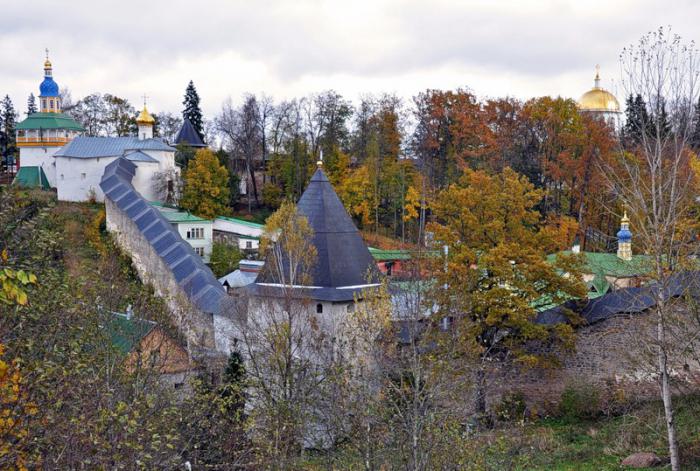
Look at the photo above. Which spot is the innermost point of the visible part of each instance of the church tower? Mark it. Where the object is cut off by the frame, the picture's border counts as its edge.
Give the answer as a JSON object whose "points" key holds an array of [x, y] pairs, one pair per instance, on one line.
{"points": [[49, 98], [42, 134], [624, 239], [145, 123]]}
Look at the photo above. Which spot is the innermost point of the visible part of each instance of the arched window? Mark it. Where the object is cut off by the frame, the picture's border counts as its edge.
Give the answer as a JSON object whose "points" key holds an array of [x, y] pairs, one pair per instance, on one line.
{"points": [[319, 308]]}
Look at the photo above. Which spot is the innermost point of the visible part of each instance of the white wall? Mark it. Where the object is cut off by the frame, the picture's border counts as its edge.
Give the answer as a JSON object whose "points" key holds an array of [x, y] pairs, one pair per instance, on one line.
{"points": [[224, 225], [143, 179], [40, 157], [206, 242], [75, 178]]}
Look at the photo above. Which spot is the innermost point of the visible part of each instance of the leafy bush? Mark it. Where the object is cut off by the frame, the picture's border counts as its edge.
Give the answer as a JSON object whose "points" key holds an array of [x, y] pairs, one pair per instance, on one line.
{"points": [[224, 258], [579, 401], [512, 407], [271, 195]]}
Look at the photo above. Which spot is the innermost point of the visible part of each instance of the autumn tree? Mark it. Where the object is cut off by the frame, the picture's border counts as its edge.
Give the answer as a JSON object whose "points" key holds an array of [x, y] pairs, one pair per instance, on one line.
{"points": [[206, 188], [120, 116], [496, 273], [282, 341]]}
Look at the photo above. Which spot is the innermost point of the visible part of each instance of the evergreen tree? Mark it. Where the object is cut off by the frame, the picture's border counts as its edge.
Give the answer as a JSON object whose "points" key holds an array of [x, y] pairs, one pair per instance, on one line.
{"points": [[695, 135], [31, 104], [192, 110], [8, 119], [661, 120], [637, 120]]}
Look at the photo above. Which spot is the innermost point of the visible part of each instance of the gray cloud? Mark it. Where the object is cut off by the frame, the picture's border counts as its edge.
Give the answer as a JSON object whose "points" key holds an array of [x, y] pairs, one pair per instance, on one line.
{"points": [[495, 47]]}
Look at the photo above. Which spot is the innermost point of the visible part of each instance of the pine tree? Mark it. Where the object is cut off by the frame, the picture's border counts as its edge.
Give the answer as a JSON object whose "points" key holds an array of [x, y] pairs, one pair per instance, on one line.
{"points": [[192, 111], [695, 135], [637, 120], [8, 118], [31, 104]]}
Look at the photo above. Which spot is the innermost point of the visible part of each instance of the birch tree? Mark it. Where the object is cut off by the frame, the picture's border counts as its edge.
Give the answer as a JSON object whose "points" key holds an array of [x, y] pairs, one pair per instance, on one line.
{"points": [[654, 181]]}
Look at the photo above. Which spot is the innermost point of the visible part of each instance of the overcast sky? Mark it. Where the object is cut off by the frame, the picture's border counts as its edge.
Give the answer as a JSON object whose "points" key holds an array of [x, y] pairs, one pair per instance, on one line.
{"points": [[521, 48]]}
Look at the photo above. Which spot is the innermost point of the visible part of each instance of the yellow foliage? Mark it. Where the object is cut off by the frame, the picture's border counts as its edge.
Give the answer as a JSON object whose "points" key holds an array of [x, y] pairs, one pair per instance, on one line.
{"points": [[206, 192]]}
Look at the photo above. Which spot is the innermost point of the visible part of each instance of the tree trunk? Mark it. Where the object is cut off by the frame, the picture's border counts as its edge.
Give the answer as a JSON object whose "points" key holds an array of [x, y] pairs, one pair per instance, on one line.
{"points": [[480, 399], [666, 389]]}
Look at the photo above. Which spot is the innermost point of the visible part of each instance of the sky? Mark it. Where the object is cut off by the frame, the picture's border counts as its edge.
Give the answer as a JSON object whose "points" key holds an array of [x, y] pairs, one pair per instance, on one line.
{"points": [[292, 48]]}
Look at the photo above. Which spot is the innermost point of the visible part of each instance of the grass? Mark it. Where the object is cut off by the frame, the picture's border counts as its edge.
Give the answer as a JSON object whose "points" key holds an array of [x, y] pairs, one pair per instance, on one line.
{"points": [[557, 444]]}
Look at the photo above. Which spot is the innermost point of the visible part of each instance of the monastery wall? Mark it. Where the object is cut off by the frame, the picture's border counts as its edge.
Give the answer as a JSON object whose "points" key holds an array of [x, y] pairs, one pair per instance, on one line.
{"points": [[197, 326], [197, 301], [614, 357]]}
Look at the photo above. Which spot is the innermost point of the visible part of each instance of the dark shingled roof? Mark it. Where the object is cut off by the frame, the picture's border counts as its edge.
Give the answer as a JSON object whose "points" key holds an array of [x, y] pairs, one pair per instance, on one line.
{"points": [[188, 269], [622, 301], [188, 135], [343, 259]]}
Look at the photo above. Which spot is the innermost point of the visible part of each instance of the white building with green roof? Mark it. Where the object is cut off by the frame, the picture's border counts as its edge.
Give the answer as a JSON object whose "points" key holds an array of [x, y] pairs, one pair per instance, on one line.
{"points": [[196, 231], [42, 134]]}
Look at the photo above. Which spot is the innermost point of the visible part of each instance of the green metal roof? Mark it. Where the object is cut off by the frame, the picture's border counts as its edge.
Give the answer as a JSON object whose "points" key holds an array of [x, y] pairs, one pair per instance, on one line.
{"points": [[383, 255], [32, 177], [126, 333], [182, 216], [609, 264], [242, 221], [49, 121]]}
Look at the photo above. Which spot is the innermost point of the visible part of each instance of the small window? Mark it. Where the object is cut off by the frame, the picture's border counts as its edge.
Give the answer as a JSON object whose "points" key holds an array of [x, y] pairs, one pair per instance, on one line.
{"points": [[319, 308], [178, 385], [189, 235], [51, 103], [199, 251], [248, 244], [83, 176]]}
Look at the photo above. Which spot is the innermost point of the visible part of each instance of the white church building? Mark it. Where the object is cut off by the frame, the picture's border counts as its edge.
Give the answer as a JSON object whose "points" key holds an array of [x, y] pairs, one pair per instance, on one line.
{"points": [[53, 154]]}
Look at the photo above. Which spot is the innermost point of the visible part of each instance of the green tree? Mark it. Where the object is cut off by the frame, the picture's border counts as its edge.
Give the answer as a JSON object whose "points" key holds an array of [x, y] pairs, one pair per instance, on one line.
{"points": [[216, 419], [8, 120], [120, 116], [224, 258], [192, 111], [31, 104], [206, 190]]}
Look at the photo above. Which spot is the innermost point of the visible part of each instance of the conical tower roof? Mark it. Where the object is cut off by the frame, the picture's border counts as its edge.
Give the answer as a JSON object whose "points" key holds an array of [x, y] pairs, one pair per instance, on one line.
{"points": [[343, 261], [188, 135]]}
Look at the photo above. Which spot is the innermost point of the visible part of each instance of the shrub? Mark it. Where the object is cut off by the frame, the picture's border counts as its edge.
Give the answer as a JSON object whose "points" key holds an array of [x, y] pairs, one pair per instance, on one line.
{"points": [[579, 401], [224, 258], [271, 195], [512, 407]]}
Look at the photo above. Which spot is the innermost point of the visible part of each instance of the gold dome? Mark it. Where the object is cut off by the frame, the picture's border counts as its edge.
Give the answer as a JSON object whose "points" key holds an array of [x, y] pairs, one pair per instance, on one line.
{"points": [[47, 64], [145, 117], [598, 99]]}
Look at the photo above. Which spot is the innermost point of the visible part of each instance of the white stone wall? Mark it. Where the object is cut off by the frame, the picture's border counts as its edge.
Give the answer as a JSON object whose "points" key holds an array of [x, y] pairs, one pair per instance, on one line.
{"points": [[195, 325], [205, 243], [77, 179]]}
